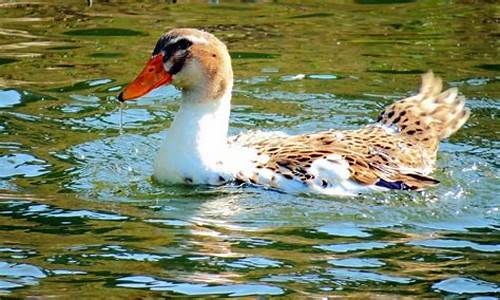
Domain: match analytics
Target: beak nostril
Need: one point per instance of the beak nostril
(151, 70)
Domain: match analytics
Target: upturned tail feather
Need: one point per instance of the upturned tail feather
(429, 116)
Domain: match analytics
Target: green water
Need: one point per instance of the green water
(80, 216)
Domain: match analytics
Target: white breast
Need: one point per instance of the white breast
(195, 149)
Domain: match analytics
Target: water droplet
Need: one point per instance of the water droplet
(120, 108)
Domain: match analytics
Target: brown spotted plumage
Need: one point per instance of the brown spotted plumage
(401, 148)
(430, 116)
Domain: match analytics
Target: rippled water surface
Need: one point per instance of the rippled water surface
(81, 217)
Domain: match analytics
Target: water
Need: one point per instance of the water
(81, 217)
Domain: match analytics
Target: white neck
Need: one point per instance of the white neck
(200, 123)
(196, 141)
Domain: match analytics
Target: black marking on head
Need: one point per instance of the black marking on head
(175, 49)
(178, 63)
(170, 44)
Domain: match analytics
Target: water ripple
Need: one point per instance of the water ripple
(19, 275)
(21, 164)
(198, 289)
(454, 244)
(351, 247)
(355, 276)
(357, 262)
(254, 262)
(462, 285)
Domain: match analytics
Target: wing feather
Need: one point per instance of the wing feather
(373, 156)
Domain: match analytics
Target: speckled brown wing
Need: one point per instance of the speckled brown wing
(372, 153)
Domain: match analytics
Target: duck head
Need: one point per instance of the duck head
(194, 61)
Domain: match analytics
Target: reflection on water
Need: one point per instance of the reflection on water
(81, 217)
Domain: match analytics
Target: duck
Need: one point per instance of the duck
(396, 152)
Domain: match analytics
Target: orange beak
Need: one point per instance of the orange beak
(152, 76)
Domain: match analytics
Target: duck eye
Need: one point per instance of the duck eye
(182, 44)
